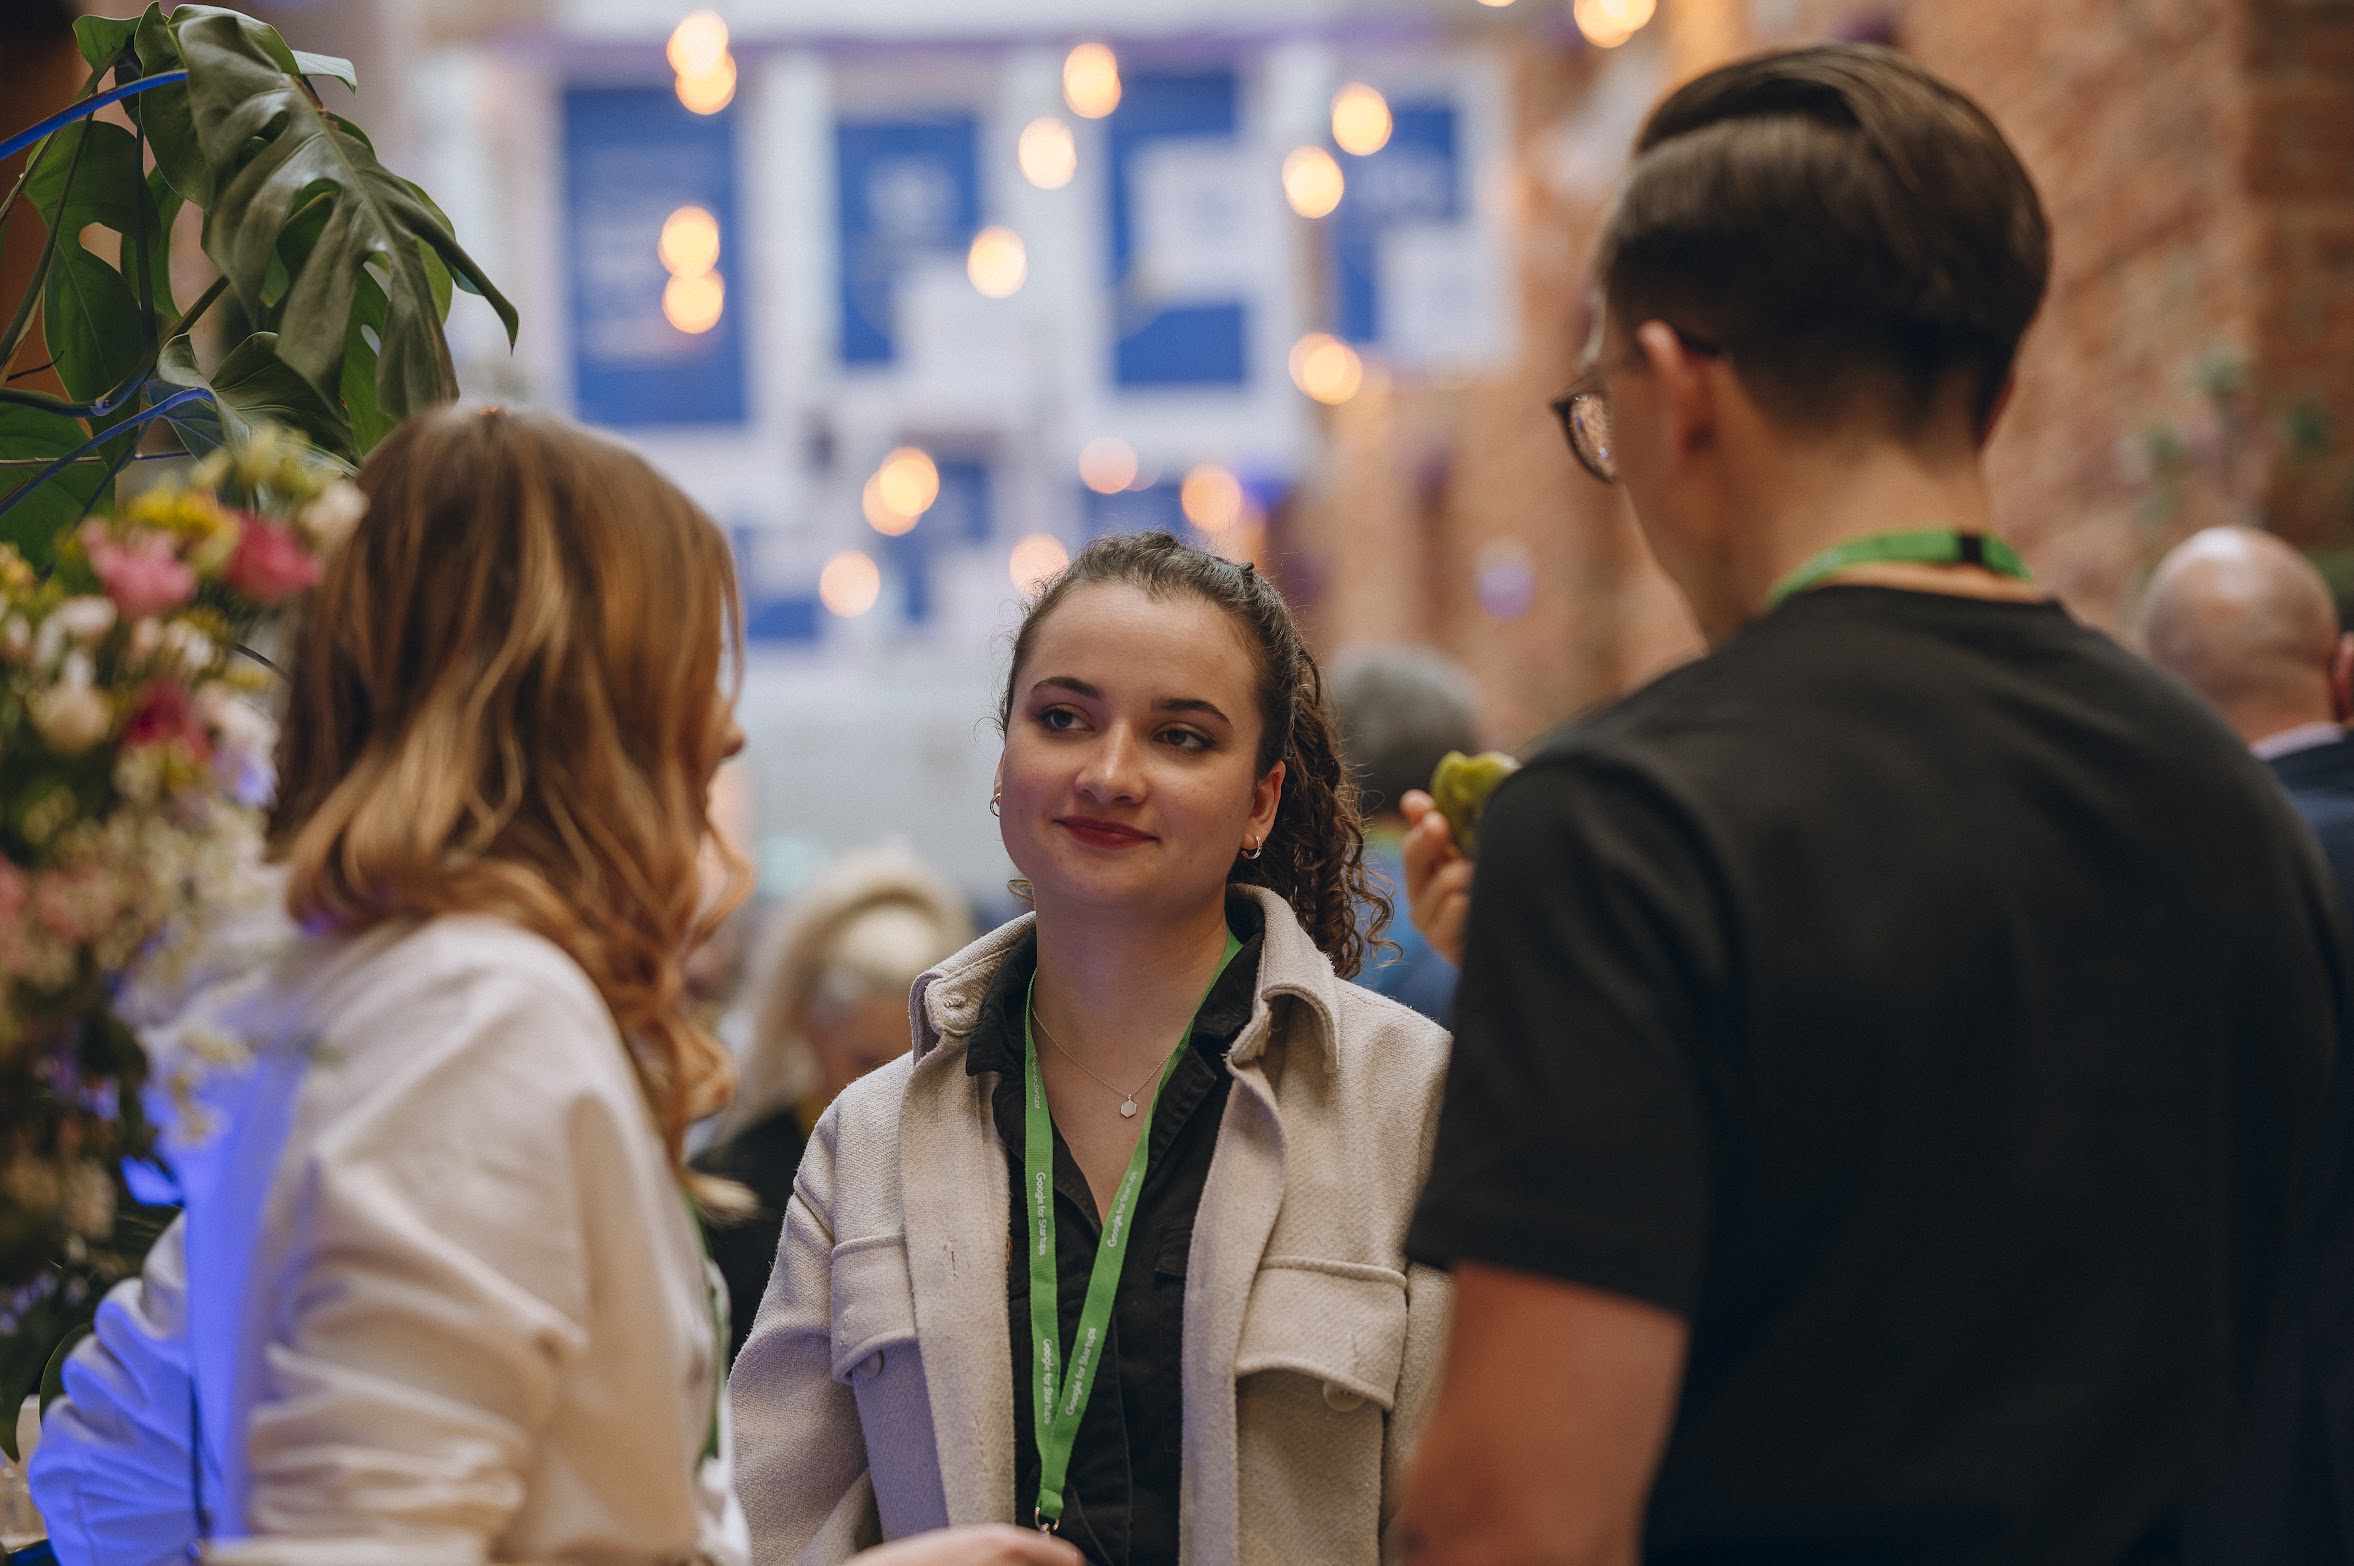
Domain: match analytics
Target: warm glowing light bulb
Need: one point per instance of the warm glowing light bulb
(1360, 120)
(879, 513)
(908, 481)
(1048, 153)
(1496, 4)
(997, 263)
(1326, 368)
(708, 92)
(1609, 23)
(690, 242)
(1091, 81)
(850, 584)
(697, 44)
(1038, 558)
(693, 302)
(1312, 181)
(1107, 465)
(1211, 498)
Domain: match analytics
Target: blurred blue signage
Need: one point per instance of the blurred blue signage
(904, 189)
(634, 157)
(1183, 239)
(778, 606)
(1153, 508)
(1394, 198)
(961, 515)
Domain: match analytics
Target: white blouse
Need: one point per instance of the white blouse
(444, 1299)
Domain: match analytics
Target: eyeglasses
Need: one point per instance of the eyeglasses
(1584, 410)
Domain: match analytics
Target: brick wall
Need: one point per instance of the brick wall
(2194, 361)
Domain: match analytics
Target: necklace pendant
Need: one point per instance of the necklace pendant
(1128, 1109)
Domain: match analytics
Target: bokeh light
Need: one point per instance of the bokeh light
(1312, 181)
(1047, 153)
(694, 302)
(1107, 465)
(1361, 119)
(697, 44)
(1609, 23)
(997, 263)
(850, 584)
(690, 241)
(908, 481)
(1091, 81)
(1037, 559)
(1326, 368)
(710, 91)
(879, 512)
(1212, 498)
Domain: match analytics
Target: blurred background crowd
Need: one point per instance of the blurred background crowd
(918, 297)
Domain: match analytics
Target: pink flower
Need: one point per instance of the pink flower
(144, 577)
(76, 904)
(270, 562)
(166, 715)
(12, 893)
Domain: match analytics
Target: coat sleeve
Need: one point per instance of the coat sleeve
(111, 1475)
(801, 1463)
(1430, 1296)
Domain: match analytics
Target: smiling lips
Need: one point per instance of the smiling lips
(1102, 834)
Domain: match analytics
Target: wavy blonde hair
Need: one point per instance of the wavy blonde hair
(505, 698)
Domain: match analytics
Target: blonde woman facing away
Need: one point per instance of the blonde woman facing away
(1118, 1251)
(437, 1295)
(831, 1007)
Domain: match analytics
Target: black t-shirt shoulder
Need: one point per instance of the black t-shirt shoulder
(1927, 1001)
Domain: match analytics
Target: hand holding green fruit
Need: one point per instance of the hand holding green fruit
(1461, 787)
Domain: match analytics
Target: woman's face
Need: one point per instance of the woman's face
(1130, 775)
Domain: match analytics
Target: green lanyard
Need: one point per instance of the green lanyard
(1930, 546)
(1059, 1407)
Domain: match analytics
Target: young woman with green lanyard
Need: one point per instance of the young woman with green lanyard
(1117, 1251)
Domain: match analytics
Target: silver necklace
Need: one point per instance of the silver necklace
(1127, 1099)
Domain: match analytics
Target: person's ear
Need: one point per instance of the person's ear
(1687, 391)
(1266, 795)
(2341, 680)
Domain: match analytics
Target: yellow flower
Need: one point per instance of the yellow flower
(16, 578)
(192, 514)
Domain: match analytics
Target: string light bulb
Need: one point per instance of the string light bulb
(1313, 182)
(850, 584)
(1326, 368)
(690, 241)
(1047, 153)
(998, 264)
(1107, 465)
(697, 44)
(1360, 120)
(694, 302)
(1091, 81)
(1609, 23)
(1037, 559)
(909, 481)
(1211, 498)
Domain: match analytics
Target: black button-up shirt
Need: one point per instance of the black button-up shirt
(1120, 1496)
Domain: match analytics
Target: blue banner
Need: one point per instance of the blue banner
(633, 157)
(1416, 178)
(904, 189)
(1162, 337)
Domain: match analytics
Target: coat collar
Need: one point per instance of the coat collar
(946, 1002)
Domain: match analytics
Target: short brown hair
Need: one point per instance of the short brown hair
(1854, 232)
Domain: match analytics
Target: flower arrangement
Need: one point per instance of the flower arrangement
(134, 767)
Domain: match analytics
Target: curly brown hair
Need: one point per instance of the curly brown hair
(1314, 857)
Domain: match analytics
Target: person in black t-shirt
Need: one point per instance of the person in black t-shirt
(1884, 1047)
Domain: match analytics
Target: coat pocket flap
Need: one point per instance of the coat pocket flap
(1344, 1323)
(873, 1300)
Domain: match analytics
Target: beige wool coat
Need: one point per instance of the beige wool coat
(873, 1399)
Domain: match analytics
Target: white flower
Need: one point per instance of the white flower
(146, 637)
(187, 646)
(84, 620)
(330, 518)
(70, 716)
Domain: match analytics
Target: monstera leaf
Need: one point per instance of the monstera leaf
(275, 155)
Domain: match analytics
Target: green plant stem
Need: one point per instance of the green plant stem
(22, 321)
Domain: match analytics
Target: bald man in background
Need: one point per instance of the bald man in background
(2246, 621)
